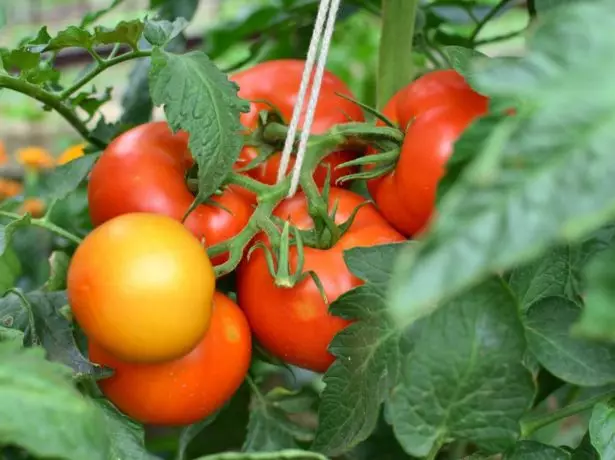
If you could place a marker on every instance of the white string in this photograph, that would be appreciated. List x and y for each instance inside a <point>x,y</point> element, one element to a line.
<point>305,79</point>
<point>309,116</point>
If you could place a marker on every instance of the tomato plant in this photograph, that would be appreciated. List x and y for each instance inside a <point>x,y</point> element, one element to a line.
<point>430,278</point>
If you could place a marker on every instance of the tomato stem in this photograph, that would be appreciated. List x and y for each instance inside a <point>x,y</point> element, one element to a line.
<point>44,223</point>
<point>395,64</point>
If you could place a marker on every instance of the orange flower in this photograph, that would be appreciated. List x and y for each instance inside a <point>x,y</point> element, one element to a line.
<point>35,158</point>
<point>9,188</point>
<point>4,158</point>
<point>34,206</point>
<point>71,153</point>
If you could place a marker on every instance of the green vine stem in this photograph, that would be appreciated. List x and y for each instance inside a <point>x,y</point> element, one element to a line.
<point>488,17</point>
<point>44,223</point>
<point>531,424</point>
<point>395,65</point>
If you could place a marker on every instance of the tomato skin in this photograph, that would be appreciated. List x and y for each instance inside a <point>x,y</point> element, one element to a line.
<point>190,388</point>
<point>143,170</point>
<point>141,286</point>
<point>294,324</point>
<point>434,110</point>
<point>278,83</point>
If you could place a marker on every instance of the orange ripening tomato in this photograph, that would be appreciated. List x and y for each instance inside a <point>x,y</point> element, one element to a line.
<point>35,158</point>
<point>143,170</point>
<point>189,388</point>
<point>434,110</point>
<point>277,82</point>
<point>294,323</point>
<point>9,188</point>
<point>70,154</point>
<point>141,286</point>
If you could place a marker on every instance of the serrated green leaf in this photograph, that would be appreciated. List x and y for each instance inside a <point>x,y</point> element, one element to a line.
<point>71,37</point>
<point>127,32</point>
<point>30,66</point>
<point>10,268</point>
<point>289,454</point>
<point>6,231</point>
<point>532,450</point>
<point>190,432</point>
<point>512,203</point>
<point>58,268</point>
<point>461,58</point>
<point>464,378</point>
<point>126,436</point>
<point>64,179</point>
<point>200,100</point>
<point>575,360</point>
<point>91,101</point>
<point>39,315</point>
<point>598,318</point>
<point>42,412</point>
<point>373,263</point>
<point>269,427</point>
<point>159,33</point>
<point>602,428</point>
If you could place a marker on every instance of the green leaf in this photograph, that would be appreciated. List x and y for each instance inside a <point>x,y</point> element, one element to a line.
<point>200,100</point>
<point>532,450</point>
<point>511,203</point>
<point>575,360</point>
<point>602,427</point>
<point>189,433</point>
<point>6,231</point>
<point>136,101</point>
<point>461,58</point>
<point>39,314</point>
<point>30,66</point>
<point>43,412</point>
<point>91,101</point>
<point>10,268</point>
<point>171,9</point>
<point>71,37</point>
<point>58,268</point>
<point>543,6</point>
<point>127,32</point>
<point>159,33</point>
<point>14,336</point>
<point>92,17</point>
<point>464,378</point>
<point>64,179</point>
<point>126,437</point>
<point>598,318</point>
<point>585,450</point>
<point>290,454</point>
<point>367,354</point>
<point>269,427</point>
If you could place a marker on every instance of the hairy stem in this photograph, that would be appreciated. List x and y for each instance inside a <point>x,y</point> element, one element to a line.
<point>395,65</point>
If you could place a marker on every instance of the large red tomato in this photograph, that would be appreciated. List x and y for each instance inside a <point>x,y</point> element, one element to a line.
<point>434,110</point>
<point>143,170</point>
<point>294,324</point>
<point>277,82</point>
<point>191,387</point>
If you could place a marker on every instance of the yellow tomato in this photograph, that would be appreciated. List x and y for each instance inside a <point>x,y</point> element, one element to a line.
<point>141,286</point>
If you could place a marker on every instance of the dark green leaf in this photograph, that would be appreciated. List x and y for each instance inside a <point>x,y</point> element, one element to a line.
<point>291,454</point>
<point>532,450</point>
<point>6,231</point>
<point>136,100</point>
<point>71,37</point>
<point>40,315</point>
<point>159,33</point>
<point>126,437</point>
<point>42,411</point>
<point>94,16</point>
<point>574,360</point>
<point>64,179</point>
<point>464,378</point>
<point>58,267</point>
<point>511,203</point>
<point>10,268</point>
<point>602,429</point>
<point>91,101</point>
<point>585,450</point>
<point>127,32</point>
<point>189,433</point>
<point>200,100</point>
<point>598,318</point>
<point>269,427</point>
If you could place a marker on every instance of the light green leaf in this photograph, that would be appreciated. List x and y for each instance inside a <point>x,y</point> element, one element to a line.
<point>291,454</point>
<point>461,58</point>
<point>159,33</point>
<point>602,429</point>
<point>199,99</point>
<point>43,413</point>
<point>532,450</point>
<point>575,360</point>
<point>464,378</point>
<point>511,203</point>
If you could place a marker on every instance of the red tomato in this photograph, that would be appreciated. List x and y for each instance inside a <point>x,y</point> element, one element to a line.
<point>278,83</point>
<point>294,324</point>
<point>191,387</point>
<point>433,111</point>
<point>143,170</point>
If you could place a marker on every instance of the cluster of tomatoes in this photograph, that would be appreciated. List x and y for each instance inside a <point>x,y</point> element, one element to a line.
<point>142,287</point>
